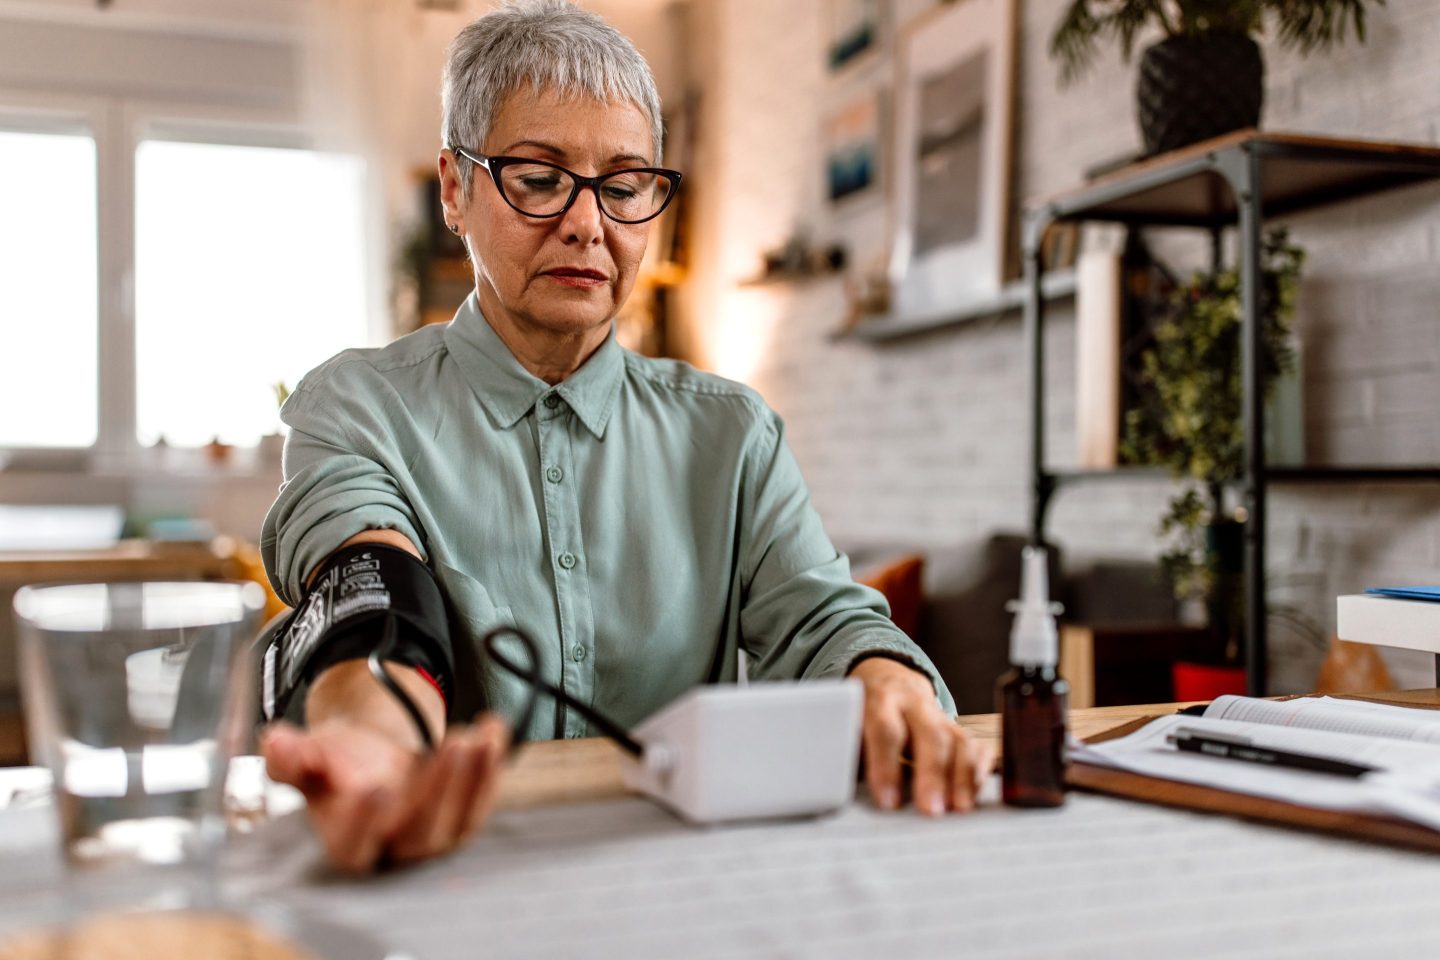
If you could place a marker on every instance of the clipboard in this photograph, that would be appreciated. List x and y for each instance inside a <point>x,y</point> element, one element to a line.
<point>1171,793</point>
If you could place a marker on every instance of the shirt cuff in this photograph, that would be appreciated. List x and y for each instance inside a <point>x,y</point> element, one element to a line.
<point>297,557</point>
<point>900,650</point>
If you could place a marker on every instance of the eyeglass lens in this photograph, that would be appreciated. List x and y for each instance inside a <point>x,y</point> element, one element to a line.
<point>542,190</point>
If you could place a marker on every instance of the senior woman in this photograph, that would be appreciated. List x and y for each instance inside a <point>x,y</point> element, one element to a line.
<point>645,520</point>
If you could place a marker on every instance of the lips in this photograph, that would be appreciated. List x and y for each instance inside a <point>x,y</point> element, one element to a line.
<point>578,273</point>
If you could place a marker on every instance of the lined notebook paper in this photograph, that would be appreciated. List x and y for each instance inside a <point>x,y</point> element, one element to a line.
<point>1338,716</point>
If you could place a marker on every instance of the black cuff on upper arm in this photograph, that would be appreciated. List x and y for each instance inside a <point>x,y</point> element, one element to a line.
<point>343,616</point>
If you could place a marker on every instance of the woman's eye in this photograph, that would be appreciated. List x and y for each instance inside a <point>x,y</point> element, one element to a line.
<point>619,193</point>
<point>539,183</point>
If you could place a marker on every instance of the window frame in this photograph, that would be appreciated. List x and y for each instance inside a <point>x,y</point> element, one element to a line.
<point>118,126</point>
<point>27,112</point>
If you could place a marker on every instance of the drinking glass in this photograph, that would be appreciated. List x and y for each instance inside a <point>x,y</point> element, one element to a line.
<point>136,696</point>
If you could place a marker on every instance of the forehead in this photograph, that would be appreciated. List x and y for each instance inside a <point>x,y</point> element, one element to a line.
<point>576,126</point>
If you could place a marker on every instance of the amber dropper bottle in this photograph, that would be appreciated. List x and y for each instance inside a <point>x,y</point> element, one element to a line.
<point>1032,695</point>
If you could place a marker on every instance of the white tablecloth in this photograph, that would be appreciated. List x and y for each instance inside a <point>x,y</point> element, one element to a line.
<point>1099,878</point>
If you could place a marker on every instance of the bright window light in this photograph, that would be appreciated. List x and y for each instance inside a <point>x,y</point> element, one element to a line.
<point>48,378</point>
<point>249,271</point>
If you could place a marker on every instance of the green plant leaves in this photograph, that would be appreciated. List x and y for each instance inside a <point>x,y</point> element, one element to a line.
<point>1304,25</point>
<point>1189,417</point>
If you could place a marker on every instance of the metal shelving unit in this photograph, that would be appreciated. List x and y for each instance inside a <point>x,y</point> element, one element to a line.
<point>1240,180</point>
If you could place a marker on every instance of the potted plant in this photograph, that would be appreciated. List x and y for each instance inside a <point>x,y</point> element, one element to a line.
<point>1189,419</point>
<point>272,445</point>
<point>1206,77</point>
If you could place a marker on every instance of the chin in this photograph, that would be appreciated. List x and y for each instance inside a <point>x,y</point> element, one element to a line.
<point>572,317</point>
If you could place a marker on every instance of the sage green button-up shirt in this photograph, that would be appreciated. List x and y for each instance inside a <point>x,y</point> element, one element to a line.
<point>642,520</point>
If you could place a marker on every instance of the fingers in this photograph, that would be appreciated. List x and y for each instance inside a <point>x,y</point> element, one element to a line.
<point>932,744</point>
<point>948,765</point>
<point>495,733</point>
<point>455,794</point>
<point>292,757</point>
<point>982,762</point>
<point>353,831</point>
<point>966,771</point>
<point>436,793</point>
<point>885,733</point>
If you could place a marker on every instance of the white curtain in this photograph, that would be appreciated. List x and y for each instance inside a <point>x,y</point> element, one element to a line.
<point>371,87</point>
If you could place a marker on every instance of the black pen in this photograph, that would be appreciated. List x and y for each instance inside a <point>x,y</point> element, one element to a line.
<point>1228,747</point>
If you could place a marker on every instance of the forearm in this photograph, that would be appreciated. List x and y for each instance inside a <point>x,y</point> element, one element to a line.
<point>347,693</point>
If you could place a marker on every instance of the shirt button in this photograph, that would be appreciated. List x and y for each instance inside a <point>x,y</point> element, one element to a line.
<point>552,401</point>
<point>567,560</point>
<point>578,653</point>
<point>554,474</point>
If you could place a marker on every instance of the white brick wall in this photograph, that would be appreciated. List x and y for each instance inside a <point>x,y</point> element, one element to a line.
<point>924,440</point>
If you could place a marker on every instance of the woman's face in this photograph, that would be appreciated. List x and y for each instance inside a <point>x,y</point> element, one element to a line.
<point>529,268</point>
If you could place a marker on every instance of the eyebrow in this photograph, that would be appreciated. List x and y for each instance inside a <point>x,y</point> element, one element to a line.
<point>560,151</point>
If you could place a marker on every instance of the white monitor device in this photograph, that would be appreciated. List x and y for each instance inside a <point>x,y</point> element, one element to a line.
<point>743,752</point>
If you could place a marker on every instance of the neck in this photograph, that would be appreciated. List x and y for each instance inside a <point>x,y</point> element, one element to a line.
<point>550,355</point>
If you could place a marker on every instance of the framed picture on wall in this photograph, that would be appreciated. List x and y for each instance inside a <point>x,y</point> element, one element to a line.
<point>854,141</point>
<point>954,91</point>
<point>854,30</point>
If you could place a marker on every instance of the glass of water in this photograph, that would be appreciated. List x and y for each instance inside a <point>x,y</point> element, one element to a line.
<point>136,696</point>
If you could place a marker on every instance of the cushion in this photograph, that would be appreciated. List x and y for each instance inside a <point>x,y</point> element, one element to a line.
<point>900,580</point>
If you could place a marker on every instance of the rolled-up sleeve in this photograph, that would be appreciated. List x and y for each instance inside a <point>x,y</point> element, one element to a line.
<point>335,485</point>
<point>802,615</point>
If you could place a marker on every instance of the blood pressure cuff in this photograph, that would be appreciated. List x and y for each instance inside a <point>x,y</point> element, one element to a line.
<point>343,617</point>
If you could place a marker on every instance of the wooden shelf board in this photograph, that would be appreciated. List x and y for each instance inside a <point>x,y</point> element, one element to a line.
<point>789,276</point>
<point>1186,188</point>
<point>1059,285</point>
<point>1419,473</point>
<point>1353,474</point>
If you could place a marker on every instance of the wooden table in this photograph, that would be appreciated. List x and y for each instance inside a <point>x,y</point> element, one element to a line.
<point>565,771</point>
<point>562,771</point>
<point>127,560</point>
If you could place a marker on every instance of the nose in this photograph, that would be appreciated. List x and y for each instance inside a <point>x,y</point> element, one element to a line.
<point>583,223</point>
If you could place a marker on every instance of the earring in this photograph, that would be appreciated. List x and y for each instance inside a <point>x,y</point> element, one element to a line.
<point>455,228</point>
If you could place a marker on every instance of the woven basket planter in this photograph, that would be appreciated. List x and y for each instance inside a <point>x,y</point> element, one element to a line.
<point>1192,88</point>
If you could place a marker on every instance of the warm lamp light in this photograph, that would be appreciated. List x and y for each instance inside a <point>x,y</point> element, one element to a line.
<point>744,329</point>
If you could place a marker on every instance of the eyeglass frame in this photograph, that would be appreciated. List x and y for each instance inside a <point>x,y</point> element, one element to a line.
<point>493,166</point>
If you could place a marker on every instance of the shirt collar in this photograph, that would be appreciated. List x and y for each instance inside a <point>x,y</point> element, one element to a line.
<point>508,391</point>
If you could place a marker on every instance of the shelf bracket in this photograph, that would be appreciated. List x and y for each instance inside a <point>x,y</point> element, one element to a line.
<point>1240,166</point>
<point>1037,223</point>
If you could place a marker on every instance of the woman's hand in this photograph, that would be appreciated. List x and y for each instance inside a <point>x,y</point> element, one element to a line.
<point>373,796</point>
<point>373,800</point>
<point>901,711</point>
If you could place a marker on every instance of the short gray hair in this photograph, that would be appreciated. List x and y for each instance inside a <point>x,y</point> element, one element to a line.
<point>539,43</point>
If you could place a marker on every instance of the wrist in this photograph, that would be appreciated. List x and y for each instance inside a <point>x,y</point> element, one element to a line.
<point>881,662</point>
<point>883,667</point>
<point>348,694</point>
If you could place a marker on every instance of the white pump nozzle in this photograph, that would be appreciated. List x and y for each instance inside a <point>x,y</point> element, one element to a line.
<point>1033,638</point>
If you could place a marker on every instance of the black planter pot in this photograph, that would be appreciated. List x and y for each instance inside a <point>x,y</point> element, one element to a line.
<point>1193,88</point>
<point>1225,555</point>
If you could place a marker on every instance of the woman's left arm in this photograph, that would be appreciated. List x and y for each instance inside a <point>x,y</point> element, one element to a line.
<point>803,616</point>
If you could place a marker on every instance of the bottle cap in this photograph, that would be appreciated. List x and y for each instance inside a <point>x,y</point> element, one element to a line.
<point>1034,640</point>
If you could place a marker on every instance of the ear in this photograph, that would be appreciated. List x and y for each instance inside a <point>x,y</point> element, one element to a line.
<point>452,200</point>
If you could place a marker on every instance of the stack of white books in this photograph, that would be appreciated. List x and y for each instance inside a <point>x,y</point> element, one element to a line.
<point>1407,617</point>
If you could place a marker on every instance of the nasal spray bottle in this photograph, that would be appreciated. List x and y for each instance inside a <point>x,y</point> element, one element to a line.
<point>1032,695</point>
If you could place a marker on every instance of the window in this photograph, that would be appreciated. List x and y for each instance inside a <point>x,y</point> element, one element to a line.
<point>162,267</point>
<point>48,283</point>
<point>249,271</point>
